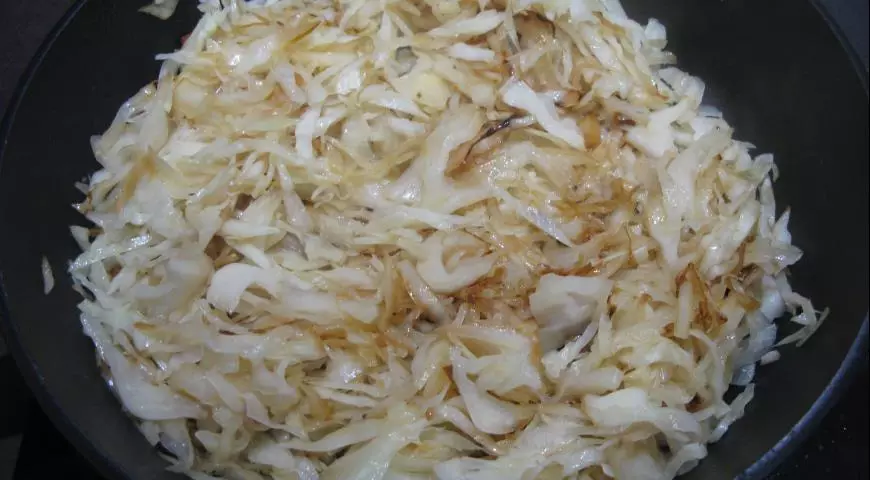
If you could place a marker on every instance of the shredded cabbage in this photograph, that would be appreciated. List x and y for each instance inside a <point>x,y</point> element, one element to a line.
<point>162,9</point>
<point>408,239</point>
<point>47,276</point>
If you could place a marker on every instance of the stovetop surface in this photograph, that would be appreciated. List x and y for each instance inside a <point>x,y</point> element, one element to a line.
<point>31,448</point>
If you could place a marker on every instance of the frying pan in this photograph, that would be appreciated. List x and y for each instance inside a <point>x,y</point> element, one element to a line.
<point>775,68</point>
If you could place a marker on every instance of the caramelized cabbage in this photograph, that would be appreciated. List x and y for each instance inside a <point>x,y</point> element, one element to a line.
<point>409,239</point>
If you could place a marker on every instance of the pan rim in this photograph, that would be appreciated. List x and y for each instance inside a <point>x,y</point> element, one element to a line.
<point>106,466</point>
<point>856,357</point>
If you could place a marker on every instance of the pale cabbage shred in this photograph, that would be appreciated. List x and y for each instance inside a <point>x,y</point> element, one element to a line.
<point>411,239</point>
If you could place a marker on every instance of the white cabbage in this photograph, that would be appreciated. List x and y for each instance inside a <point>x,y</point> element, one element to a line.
<point>563,306</point>
<point>47,276</point>
<point>632,405</point>
<point>488,413</point>
<point>466,270</point>
<point>161,9</point>
<point>464,51</point>
<point>412,239</point>
<point>517,94</point>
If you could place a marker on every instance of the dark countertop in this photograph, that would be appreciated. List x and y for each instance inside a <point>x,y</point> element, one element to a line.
<point>838,449</point>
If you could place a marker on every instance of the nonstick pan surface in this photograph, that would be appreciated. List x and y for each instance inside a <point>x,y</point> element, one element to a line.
<point>775,68</point>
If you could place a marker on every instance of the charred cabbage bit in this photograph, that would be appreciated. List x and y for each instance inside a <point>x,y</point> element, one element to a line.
<point>385,240</point>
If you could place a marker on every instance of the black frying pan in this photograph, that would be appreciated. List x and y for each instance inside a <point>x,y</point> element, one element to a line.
<point>774,66</point>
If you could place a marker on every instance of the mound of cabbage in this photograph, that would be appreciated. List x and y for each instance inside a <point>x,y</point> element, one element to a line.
<point>414,239</point>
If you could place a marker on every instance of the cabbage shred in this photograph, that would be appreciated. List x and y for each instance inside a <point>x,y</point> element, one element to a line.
<point>407,239</point>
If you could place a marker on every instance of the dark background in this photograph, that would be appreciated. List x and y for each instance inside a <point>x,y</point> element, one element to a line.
<point>31,448</point>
